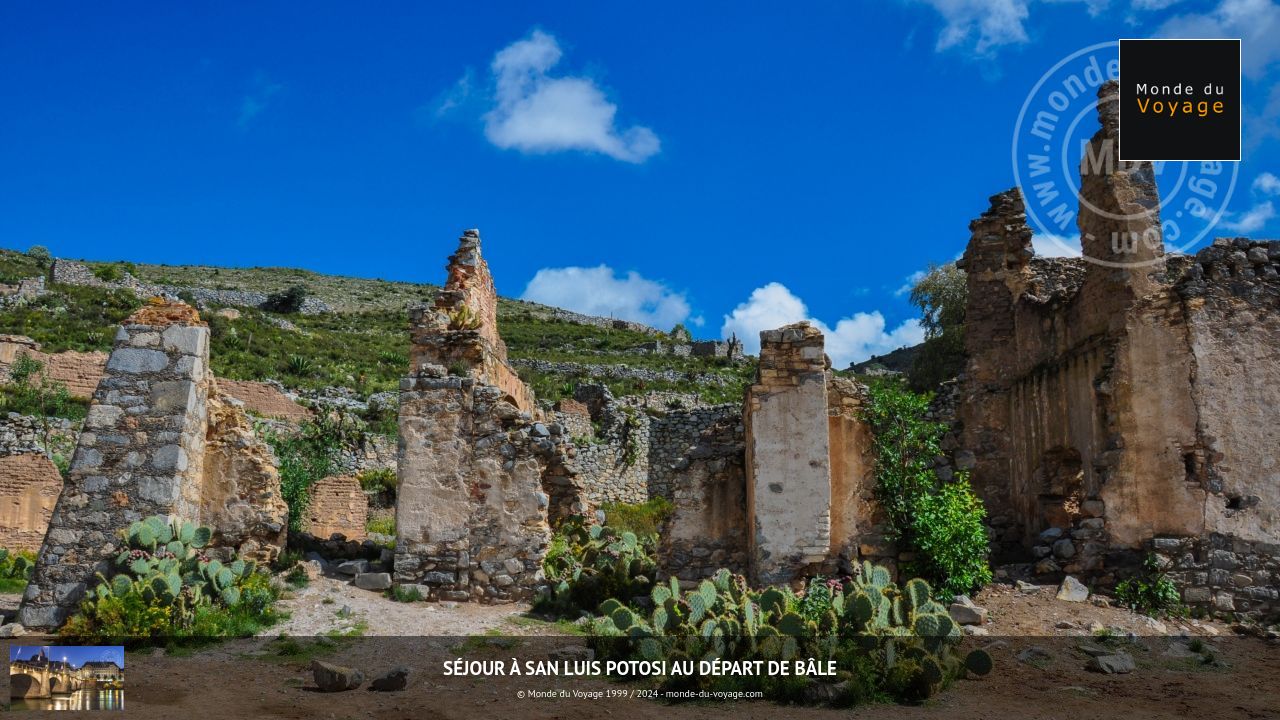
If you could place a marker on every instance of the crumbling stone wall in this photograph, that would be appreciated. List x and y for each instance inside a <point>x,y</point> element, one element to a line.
<point>473,509</point>
<point>79,371</point>
<point>787,455</point>
<point>29,488</point>
<point>264,400</point>
<point>460,332</point>
<point>611,458</point>
<point>157,441</point>
<point>705,531</point>
<point>1126,404</point>
<point>338,505</point>
<point>239,492</point>
<point>481,478</point>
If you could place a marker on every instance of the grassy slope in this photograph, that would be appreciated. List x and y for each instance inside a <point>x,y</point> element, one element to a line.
<point>364,346</point>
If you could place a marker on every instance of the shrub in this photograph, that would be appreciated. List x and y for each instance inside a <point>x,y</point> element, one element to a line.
<point>941,296</point>
<point>286,301</point>
<point>382,525</point>
<point>15,569</point>
<point>378,480</point>
<point>310,455</point>
<point>165,585</point>
<point>886,641</point>
<point>586,564</point>
<point>644,519</point>
<point>941,522</point>
<point>107,273</point>
<point>41,255</point>
<point>30,391</point>
<point>400,593</point>
<point>1150,591</point>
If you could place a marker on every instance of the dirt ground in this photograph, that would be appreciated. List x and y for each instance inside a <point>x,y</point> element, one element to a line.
<point>256,678</point>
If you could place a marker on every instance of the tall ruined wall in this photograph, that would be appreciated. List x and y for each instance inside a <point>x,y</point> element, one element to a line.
<point>473,506</point>
<point>787,457</point>
<point>1127,403</point>
<point>859,528</point>
<point>240,498</point>
<point>139,455</point>
<point>706,530</point>
<point>29,488</point>
<point>461,331</point>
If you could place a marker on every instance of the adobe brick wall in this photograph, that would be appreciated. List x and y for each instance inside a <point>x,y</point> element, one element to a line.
<point>29,488</point>
<point>264,400</point>
<point>338,505</point>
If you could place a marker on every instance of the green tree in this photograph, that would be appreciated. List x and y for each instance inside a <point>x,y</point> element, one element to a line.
<point>30,391</point>
<point>41,255</point>
<point>287,301</point>
<point>941,296</point>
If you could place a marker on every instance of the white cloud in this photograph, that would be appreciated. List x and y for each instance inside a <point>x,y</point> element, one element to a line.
<point>853,339</point>
<point>1256,217</point>
<point>1154,4</point>
<point>600,291</point>
<point>1267,184</point>
<point>1255,22</point>
<point>910,283</point>
<point>1056,245</point>
<point>986,24</point>
<point>1253,220</point>
<point>534,112</point>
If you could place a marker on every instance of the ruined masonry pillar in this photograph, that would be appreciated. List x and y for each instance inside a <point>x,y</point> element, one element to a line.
<point>788,456</point>
<point>140,454</point>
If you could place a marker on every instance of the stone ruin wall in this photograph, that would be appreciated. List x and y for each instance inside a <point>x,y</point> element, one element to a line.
<point>338,506</point>
<point>461,331</point>
<point>481,478</point>
<point>787,458</point>
<point>1112,410</point>
<point>706,530</point>
<point>611,446</point>
<point>809,467</point>
<point>158,440</point>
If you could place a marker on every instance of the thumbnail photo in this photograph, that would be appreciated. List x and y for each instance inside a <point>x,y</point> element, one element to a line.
<point>70,677</point>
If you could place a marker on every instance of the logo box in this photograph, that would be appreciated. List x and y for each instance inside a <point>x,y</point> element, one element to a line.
<point>1180,100</point>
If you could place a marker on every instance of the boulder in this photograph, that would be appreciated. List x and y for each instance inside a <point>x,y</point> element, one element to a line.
<point>374,581</point>
<point>964,612</point>
<point>353,567</point>
<point>335,678</point>
<point>1072,590</point>
<point>12,630</point>
<point>393,680</point>
<point>1115,664</point>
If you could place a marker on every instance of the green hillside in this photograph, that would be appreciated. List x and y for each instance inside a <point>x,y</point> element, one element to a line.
<point>363,345</point>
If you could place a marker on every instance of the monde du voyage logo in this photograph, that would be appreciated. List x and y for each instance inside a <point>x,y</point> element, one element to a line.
<point>1180,100</point>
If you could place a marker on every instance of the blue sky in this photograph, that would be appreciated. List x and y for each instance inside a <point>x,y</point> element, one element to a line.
<point>728,165</point>
<point>75,654</point>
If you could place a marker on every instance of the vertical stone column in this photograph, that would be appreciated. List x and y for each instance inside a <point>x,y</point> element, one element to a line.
<point>140,454</point>
<point>1119,218</point>
<point>996,264</point>
<point>788,455</point>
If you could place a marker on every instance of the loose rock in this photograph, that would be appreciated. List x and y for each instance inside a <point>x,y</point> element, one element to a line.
<point>393,680</point>
<point>1117,664</point>
<point>335,678</point>
<point>1072,590</point>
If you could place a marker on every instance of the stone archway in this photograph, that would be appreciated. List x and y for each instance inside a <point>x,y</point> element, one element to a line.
<point>23,685</point>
